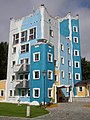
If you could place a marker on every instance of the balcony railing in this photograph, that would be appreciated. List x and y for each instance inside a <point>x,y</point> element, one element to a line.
<point>23,84</point>
<point>22,68</point>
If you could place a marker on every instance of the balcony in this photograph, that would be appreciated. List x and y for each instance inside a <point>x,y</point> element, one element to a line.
<point>23,68</point>
<point>23,84</point>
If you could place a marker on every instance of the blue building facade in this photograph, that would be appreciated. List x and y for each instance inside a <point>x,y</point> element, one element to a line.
<point>44,55</point>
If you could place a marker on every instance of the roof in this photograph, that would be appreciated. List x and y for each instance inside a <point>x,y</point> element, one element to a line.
<point>83,82</point>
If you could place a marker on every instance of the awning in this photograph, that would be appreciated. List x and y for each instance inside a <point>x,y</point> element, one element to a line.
<point>63,86</point>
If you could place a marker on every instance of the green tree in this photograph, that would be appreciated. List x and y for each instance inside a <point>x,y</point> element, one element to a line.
<point>3,59</point>
<point>85,69</point>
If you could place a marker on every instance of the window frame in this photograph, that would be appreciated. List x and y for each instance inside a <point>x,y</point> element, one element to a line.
<point>25,36</point>
<point>62,47</point>
<point>78,64</point>
<point>34,34</point>
<point>56,80</point>
<point>25,49</point>
<point>34,92</point>
<point>34,74</point>
<point>49,96</point>
<point>75,40</point>
<point>79,89</point>
<point>75,27</point>
<point>51,33</point>
<point>51,72</point>
<point>1,91</point>
<point>76,76</point>
<point>69,63</point>
<point>15,39</point>
<point>69,75</point>
<point>34,56</point>
<point>24,93</point>
<point>62,60</point>
<point>51,57</point>
<point>62,74</point>
<point>75,52</point>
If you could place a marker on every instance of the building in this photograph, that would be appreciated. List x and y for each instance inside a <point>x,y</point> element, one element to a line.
<point>2,90</point>
<point>44,58</point>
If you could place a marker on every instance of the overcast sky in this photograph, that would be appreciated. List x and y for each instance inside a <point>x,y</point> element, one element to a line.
<point>20,8</point>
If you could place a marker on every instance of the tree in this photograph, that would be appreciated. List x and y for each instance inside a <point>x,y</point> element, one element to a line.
<point>85,69</point>
<point>3,59</point>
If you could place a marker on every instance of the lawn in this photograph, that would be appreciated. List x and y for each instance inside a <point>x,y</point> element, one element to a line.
<point>9,109</point>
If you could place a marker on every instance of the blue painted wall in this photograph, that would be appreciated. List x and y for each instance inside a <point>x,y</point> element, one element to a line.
<point>41,65</point>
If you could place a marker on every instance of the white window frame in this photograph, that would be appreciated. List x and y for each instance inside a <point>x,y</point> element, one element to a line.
<point>69,63</point>
<point>79,89</point>
<point>0,92</point>
<point>34,74</point>
<point>12,63</point>
<point>51,92</point>
<point>51,74</point>
<point>69,52</point>
<point>76,63</point>
<point>76,28</point>
<point>77,52</point>
<point>62,60</point>
<point>16,39</point>
<point>13,50</point>
<point>51,57</point>
<point>9,93</point>
<point>27,93</point>
<point>56,77</point>
<point>32,33</point>
<point>78,76</point>
<point>62,47</point>
<point>51,33</point>
<point>34,56</point>
<point>25,37</point>
<point>34,92</point>
<point>62,75</point>
<point>24,49</point>
<point>75,38</point>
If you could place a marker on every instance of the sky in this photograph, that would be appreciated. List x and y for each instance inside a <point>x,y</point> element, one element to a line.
<point>20,8</point>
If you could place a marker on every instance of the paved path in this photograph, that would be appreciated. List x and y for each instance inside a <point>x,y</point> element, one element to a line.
<point>64,111</point>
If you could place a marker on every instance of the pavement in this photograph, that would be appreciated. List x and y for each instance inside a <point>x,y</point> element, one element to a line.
<point>64,111</point>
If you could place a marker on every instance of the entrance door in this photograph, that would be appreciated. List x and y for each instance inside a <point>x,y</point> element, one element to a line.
<point>59,95</point>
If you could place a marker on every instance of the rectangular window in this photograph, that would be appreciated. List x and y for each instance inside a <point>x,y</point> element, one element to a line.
<point>75,29</point>
<point>13,77</point>
<point>49,92</point>
<point>51,33</point>
<point>62,74</point>
<point>21,77</point>
<point>50,59</point>
<point>76,53</point>
<point>36,92</point>
<point>69,75</point>
<point>14,50</point>
<point>75,39</point>
<point>22,93</point>
<point>36,56</point>
<point>10,92</point>
<point>62,47</point>
<point>77,76</point>
<point>13,63</point>
<point>80,89</point>
<point>15,38</point>
<point>36,74</point>
<point>69,63</point>
<point>56,77</point>
<point>28,93</point>
<point>69,50</point>
<point>32,33</point>
<point>77,64</point>
<point>62,60</point>
<point>50,74</point>
<point>25,48</point>
<point>2,92</point>
<point>23,36</point>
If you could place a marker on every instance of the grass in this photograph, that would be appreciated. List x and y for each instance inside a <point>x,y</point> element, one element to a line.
<point>9,109</point>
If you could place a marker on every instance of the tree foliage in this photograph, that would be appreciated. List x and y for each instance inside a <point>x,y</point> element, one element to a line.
<point>3,59</point>
<point>85,69</point>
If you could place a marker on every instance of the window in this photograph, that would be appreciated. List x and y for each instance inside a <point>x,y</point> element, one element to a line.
<point>36,92</point>
<point>23,36</point>
<point>13,63</point>
<point>51,33</point>
<point>62,60</point>
<point>32,33</point>
<point>75,39</point>
<point>75,29</point>
<point>62,74</point>
<point>56,77</point>
<point>36,56</point>
<point>69,75</point>
<point>24,61</point>
<point>13,77</point>
<point>36,74</point>
<point>14,50</point>
<point>69,50</point>
<point>77,64</point>
<point>76,53</point>
<point>49,92</point>
<point>80,89</point>
<point>62,47</point>
<point>21,77</point>
<point>15,38</point>
<point>25,48</point>
<point>28,93</point>
<point>69,63</point>
<point>10,92</point>
<point>50,57</point>
<point>22,93</point>
<point>55,63</point>
<point>77,76</point>
<point>2,93</point>
<point>50,74</point>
